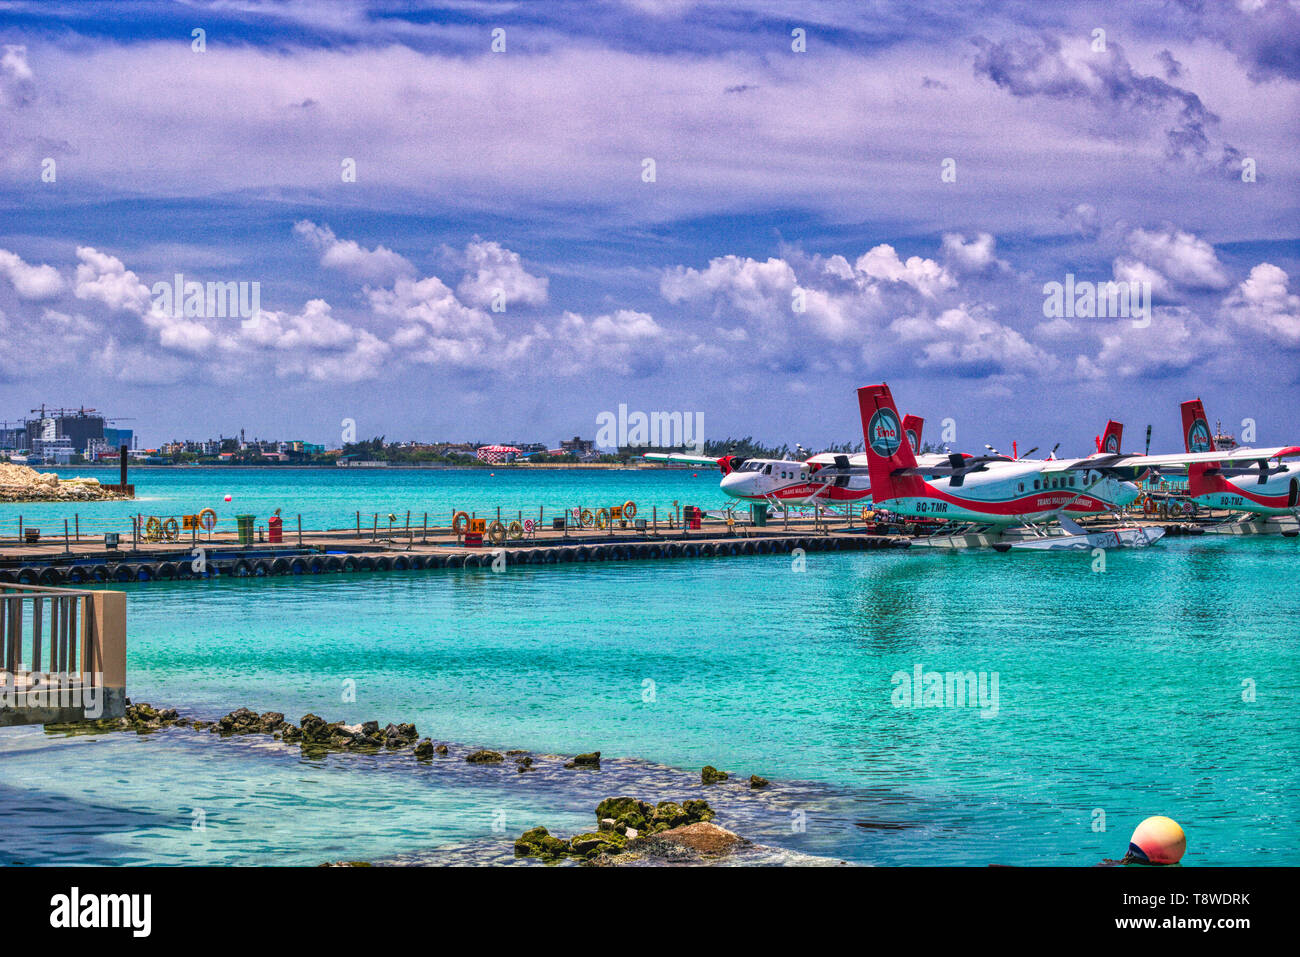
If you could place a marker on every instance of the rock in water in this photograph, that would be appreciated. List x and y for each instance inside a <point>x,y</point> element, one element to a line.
<point>756,782</point>
<point>538,842</point>
<point>711,775</point>
<point>703,837</point>
<point>484,756</point>
<point>589,760</point>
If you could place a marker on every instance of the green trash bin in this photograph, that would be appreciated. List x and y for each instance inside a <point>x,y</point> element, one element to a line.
<point>245,524</point>
<point>760,515</point>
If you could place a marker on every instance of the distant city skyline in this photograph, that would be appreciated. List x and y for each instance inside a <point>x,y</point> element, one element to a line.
<point>440,221</point>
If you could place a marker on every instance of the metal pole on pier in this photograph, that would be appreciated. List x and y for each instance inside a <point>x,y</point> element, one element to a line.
<point>300,529</point>
<point>358,525</point>
<point>66,547</point>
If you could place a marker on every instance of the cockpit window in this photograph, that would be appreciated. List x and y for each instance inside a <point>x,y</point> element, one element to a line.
<point>768,470</point>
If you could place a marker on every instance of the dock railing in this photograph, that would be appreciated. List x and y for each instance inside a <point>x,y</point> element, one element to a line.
<point>62,654</point>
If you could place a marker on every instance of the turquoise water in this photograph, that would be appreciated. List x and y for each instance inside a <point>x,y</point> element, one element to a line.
<point>1118,693</point>
<point>332,497</point>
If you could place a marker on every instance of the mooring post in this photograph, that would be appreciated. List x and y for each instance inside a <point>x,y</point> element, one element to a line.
<point>20,529</point>
<point>374,532</point>
<point>300,529</point>
<point>408,525</point>
<point>76,519</point>
<point>66,547</point>
<point>424,533</point>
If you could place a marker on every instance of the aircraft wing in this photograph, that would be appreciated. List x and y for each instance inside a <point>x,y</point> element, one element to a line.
<point>680,457</point>
<point>1109,461</point>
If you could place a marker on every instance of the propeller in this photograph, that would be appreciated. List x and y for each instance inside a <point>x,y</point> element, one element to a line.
<point>1148,451</point>
<point>1031,451</point>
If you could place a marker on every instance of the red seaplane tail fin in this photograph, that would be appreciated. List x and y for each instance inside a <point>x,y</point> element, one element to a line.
<point>1197,437</point>
<point>1196,428</point>
<point>1111,438</point>
<point>887,446</point>
<point>912,425</point>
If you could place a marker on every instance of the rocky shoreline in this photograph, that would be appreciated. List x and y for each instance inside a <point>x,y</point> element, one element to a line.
<point>628,830</point>
<point>18,483</point>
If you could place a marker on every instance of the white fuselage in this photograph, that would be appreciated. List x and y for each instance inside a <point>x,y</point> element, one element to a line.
<point>1014,492</point>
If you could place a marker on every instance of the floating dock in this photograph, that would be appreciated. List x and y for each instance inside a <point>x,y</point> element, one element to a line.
<point>55,563</point>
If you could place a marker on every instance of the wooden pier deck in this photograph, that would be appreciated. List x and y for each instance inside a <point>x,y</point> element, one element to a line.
<point>199,556</point>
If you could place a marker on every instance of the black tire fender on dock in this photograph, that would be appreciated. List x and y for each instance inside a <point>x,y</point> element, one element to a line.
<point>280,566</point>
<point>100,573</point>
<point>166,571</point>
<point>316,565</point>
<point>383,564</point>
<point>349,564</point>
<point>400,564</point>
<point>242,568</point>
<point>366,564</point>
<point>76,575</point>
<point>29,576</point>
<point>333,563</point>
<point>123,573</point>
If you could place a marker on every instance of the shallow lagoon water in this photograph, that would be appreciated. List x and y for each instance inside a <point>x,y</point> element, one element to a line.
<point>1118,693</point>
<point>331,497</point>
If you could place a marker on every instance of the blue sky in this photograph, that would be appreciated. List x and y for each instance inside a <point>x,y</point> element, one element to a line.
<point>515,180</point>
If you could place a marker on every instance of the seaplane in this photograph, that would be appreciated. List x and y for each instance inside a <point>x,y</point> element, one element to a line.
<point>1265,493</point>
<point>1001,502</point>
<point>834,479</point>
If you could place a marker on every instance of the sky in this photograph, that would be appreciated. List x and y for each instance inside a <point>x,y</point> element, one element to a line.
<point>493,221</point>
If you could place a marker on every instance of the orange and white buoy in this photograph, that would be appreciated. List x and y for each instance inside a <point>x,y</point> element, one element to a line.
<point>1158,840</point>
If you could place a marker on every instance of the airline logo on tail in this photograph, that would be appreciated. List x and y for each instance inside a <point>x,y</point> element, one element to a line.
<point>1110,439</point>
<point>912,425</point>
<point>1196,427</point>
<point>885,432</point>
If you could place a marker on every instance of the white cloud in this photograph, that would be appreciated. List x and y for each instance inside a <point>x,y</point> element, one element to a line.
<point>30,282</point>
<point>312,329</point>
<point>104,278</point>
<point>1184,259</point>
<point>626,342</point>
<point>492,269</point>
<point>967,341</point>
<point>974,256</point>
<point>924,275</point>
<point>1265,304</point>
<point>378,265</point>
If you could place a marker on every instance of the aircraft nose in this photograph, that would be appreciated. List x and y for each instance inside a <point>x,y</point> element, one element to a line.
<point>735,484</point>
<point>1126,494</point>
